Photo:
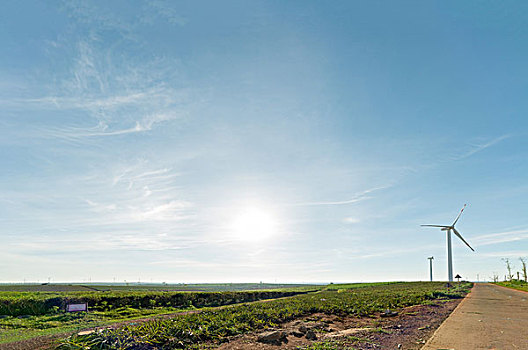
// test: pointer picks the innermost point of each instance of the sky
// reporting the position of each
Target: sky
(248, 141)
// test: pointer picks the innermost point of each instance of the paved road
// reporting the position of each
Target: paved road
(490, 317)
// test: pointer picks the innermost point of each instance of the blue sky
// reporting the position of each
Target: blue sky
(261, 140)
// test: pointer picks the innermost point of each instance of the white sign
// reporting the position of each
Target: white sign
(76, 307)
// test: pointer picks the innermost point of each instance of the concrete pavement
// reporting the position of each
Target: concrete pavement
(490, 317)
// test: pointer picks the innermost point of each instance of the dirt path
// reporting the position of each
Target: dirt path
(491, 317)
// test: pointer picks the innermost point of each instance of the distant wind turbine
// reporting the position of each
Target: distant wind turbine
(449, 255)
(431, 258)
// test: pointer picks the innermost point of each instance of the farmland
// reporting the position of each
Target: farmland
(215, 326)
(28, 314)
(150, 287)
(138, 317)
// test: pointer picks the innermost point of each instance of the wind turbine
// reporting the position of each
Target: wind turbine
(448, 229)
(431, 258)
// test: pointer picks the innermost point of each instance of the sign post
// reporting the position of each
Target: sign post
(76, 307)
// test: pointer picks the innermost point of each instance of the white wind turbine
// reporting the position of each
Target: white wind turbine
(448, 229)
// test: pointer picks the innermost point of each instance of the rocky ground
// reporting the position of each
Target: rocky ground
(408, 329)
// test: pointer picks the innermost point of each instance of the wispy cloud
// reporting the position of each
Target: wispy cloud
(102, 129)
(505, 254)
(138, 194)
(139, 203)
(113, 95)
(358, 197)
(500, 237)
(369, 252)
(476, 148)
(130, 176)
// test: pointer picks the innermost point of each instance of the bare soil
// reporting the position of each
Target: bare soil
(410, 329)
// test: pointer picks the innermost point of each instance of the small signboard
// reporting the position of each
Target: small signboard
(76, 307)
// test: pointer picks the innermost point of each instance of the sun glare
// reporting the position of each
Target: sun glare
(253, 225)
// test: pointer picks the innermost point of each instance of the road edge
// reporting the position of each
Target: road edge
(510, 288)
(466, 297)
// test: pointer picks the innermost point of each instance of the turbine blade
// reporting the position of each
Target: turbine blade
(436, 226)
(458, 217)
(463, 240)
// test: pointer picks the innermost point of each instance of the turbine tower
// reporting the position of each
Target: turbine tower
(448, 230)
(431, 258)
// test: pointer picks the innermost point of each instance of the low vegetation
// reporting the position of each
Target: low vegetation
(217, 325)
(515, 284)
(16, 304)
(25, 315)
(152, 287)
(14, 328)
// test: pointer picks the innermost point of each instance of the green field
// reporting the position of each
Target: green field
(213, 326)
(39, 311)
(44, 288)
(34, 312)
(180, 287)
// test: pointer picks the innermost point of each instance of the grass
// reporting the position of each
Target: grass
(332, 344)
(345, 286)
(217, 325)
(325, 345)
(151, 287)
(515, 284)
(15, 328)
(41, 303)
(43, 288)
(25, 315)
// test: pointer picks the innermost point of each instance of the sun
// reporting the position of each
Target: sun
(253, 225)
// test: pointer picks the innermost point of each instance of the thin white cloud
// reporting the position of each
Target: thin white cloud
(89, 103)
(141, 110)
(114, 95)
(501, 237)
(142, 199)
(361, 196)
(480, 147)
(166, 211)
(389, 252)
(505, 254)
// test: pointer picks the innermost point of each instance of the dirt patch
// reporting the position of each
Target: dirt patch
(409, 329)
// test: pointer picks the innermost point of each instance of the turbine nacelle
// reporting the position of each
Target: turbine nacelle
(452, 228)
(449, 229)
